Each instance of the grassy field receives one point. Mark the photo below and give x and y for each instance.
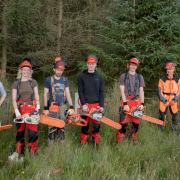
(156, 156)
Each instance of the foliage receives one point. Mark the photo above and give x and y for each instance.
(147, 29)
(113, 30)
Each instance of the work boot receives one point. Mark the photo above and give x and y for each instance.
(52, 133)
(175, 129)
(15, 157)
(83, 138)
(119, 137)
(61, 134)
(96, 138)
(161, 127)
(135, 138)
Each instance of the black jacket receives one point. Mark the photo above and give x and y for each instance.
(91, 88)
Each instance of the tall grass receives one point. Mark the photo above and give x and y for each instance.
(156, 156)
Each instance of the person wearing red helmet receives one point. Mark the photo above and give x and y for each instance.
(132, 93)
(56, 87)
(91, 95)
(25, 98)
(169, 94)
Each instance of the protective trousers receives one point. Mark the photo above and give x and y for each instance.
(125, 118)
(95, 129)
(173, 107)
(54, 133)
(32, 132)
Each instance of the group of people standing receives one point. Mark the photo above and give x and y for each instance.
(25, 99)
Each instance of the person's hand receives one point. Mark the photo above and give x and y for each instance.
(18, 114)
(37, 108)
(126, 108)
(45, 112)
(164, 100)
(101, 109)
(85, 108)
(69, 121)
(70, 111)
(141, 107)
(173, 101)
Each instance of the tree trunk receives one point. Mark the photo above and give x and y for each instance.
(59, 31)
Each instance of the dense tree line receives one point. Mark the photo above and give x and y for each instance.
(149, 30)
(113, 30)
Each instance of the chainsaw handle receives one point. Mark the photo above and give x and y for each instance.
(36, 112)
(24, 116)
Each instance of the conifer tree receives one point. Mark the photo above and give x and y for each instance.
(149, 30)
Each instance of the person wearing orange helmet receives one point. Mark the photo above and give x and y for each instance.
(56, 94)
(91, 95)
(25, 99)
(169, 94)
(132, 93)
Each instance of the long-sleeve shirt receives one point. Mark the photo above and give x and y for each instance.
(91, 88)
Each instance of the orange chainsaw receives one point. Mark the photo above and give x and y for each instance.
(4, 127)
(74, 119)
(35, 118)
(139, 114)
(98, 116)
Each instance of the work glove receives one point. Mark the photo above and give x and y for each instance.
(18, 114)
(164, 100)
(141, 107)
(37, 108)
(70, 111)
(101, 109)
(126, 108)
(175, 99)
(85, 108)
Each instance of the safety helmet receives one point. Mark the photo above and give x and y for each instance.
(91, 59)
(134, 60)
(169, 65)
(25, 63)
(59, 65)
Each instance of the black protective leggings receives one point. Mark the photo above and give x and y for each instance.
(174, 116)
(135, 128)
